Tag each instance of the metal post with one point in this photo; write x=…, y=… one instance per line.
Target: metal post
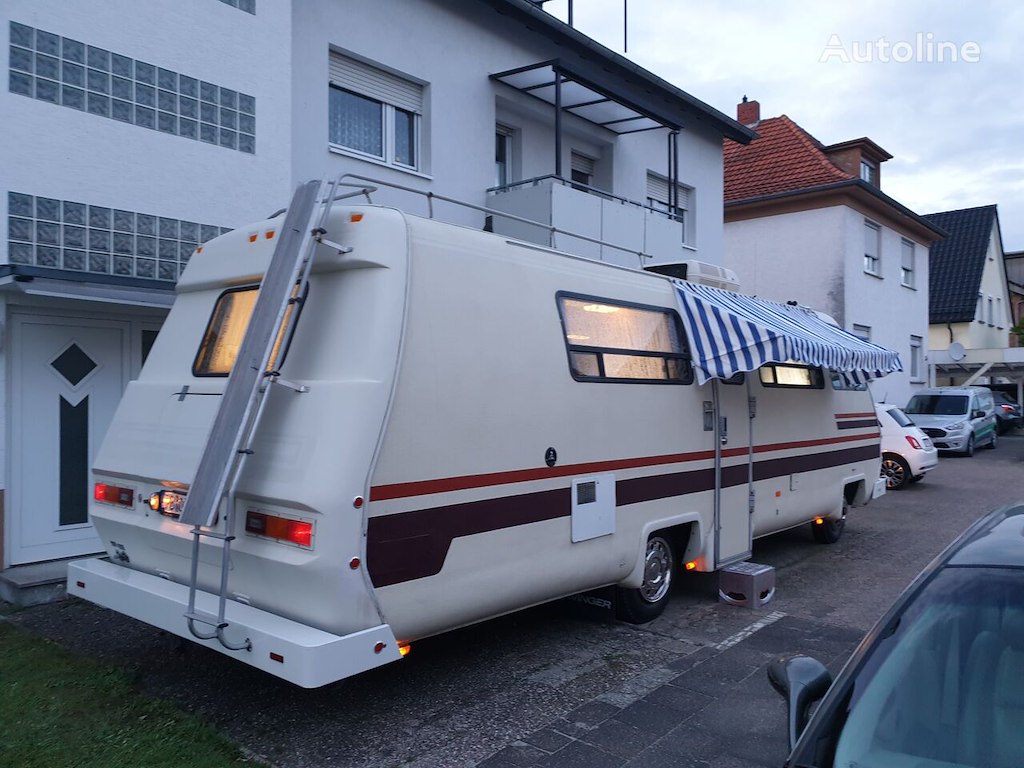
x=558, y=124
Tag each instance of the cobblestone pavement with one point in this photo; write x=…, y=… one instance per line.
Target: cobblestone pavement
x=556, y=688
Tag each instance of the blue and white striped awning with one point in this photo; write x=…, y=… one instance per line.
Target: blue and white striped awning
x=730, y=333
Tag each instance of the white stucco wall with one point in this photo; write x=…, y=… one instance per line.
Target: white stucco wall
x=60, y=152
x=791, y=257
x=816, y=258
x=457, y=47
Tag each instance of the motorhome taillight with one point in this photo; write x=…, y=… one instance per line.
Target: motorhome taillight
x=112, y=494
x=169, y=503
x=281, y=528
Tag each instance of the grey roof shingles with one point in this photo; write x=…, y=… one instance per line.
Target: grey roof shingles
x=955, y=264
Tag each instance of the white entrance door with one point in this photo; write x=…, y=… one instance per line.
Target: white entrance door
x=67, y=377
x=733, y=483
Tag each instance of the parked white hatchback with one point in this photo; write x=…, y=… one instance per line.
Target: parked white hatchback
x=907, y=452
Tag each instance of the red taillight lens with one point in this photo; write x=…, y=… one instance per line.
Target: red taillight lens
x=285, y=529
x=914, y=442
x=1007, y=408
x=112, y=494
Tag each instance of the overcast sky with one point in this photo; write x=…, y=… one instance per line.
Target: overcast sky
x=843, y=70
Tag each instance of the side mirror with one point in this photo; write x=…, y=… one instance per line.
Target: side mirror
x=978, y=414
x=801, y=681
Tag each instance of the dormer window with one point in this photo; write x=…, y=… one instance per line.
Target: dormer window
x=869, y=172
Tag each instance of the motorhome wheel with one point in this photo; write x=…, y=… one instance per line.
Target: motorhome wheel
x=638, y=606
x=829, y=531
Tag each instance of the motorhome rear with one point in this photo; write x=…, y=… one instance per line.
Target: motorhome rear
x=465, y=426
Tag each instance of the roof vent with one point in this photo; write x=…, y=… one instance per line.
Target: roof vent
x=699, y=272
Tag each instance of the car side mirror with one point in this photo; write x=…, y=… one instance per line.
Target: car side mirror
x=801, y=681
x=978, y=414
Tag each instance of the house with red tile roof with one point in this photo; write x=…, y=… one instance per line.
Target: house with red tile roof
x=809, y=222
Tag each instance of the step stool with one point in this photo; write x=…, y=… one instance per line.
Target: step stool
x=750, y=585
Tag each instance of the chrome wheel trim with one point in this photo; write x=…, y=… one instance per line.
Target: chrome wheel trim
x=657, y=570
x=893, y=473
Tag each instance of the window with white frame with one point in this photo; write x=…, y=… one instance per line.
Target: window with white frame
x=374, y=113
x=868, y=171
x=872, y=248
x=980, y=312
x=862, y=331
x=907, y=256
x=658, y=199
x=916, y=359
x=502, y=155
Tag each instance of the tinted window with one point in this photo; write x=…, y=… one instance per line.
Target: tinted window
x=900, y=417
x=787, y=375
x=939, y=405
x=943, y=682
x=611, y=341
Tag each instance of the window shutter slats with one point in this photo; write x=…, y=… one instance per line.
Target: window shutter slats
x=582, y=163
x=375, y=83
x=657, y=189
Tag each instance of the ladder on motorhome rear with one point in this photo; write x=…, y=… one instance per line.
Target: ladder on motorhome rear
x=282, y=290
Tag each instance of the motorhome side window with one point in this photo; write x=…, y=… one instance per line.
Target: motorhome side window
x=223, y=337
x=611, y=341
x=790, y=375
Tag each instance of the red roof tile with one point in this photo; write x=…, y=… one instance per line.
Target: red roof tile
x=784, y=159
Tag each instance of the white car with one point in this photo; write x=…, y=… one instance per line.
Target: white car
x=907, y=452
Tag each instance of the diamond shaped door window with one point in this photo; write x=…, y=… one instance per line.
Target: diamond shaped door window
x=73, y=364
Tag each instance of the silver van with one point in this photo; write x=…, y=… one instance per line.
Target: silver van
x=955, y=418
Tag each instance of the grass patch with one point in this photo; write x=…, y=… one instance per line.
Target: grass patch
x=60, y=710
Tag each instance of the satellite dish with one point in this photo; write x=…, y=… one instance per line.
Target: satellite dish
x=956, y=351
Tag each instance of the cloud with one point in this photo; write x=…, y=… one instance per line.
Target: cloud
x=954, y=127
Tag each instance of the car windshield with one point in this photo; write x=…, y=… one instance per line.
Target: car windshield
x=939, y=405
x=944, y=686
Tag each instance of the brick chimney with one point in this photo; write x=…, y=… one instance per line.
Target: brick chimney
x=748, y=112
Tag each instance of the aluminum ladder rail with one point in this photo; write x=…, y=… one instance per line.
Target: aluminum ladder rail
x=230, y=440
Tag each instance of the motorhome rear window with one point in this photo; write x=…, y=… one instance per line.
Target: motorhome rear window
x=224, y=333
x=789, y=375
x=613, y=341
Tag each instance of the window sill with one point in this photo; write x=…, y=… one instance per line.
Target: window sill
x=909, y=287
x=336, y=150
x=873, y=274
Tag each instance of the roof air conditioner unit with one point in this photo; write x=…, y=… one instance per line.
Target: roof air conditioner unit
x=699, y=272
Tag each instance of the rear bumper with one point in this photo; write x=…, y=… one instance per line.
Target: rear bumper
x=301, y=654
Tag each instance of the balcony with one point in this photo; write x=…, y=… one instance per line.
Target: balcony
x=587, y=222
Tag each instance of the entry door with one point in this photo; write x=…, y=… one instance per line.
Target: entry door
x=67, y=377
x=733, y=458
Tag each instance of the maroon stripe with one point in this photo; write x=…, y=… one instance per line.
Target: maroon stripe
x=857, y=424
x=412, y=545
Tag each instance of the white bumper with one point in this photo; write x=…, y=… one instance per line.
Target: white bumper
x=303, y=655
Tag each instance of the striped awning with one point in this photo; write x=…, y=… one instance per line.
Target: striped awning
x=730, y=333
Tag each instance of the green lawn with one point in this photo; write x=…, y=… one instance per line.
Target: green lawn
x=59, y=711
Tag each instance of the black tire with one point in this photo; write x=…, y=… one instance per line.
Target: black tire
x=638, y=606
x=895, y=471
x=830, y=531
x=992, y=443
x=969, y=450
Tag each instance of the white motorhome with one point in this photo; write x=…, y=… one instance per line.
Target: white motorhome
x=456, y=425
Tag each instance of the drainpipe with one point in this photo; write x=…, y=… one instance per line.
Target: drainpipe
x=558, y=124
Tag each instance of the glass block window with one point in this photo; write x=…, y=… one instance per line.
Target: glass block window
x=249, y=6
x=63, y=71
x=61, y=234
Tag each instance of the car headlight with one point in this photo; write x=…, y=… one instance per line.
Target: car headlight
x=956, y=427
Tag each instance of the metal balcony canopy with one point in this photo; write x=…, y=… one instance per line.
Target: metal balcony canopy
x=602, y=101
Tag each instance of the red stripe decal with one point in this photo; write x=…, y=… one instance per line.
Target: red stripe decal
x=467, y=482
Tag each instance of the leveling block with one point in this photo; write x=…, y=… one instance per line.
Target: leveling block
x=750, y=585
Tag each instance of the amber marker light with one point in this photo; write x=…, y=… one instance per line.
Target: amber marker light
x=404, y=648
x=819, y=520
x=269, y=234
x=692, y=565
x=252, y=237
x=355, y=217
